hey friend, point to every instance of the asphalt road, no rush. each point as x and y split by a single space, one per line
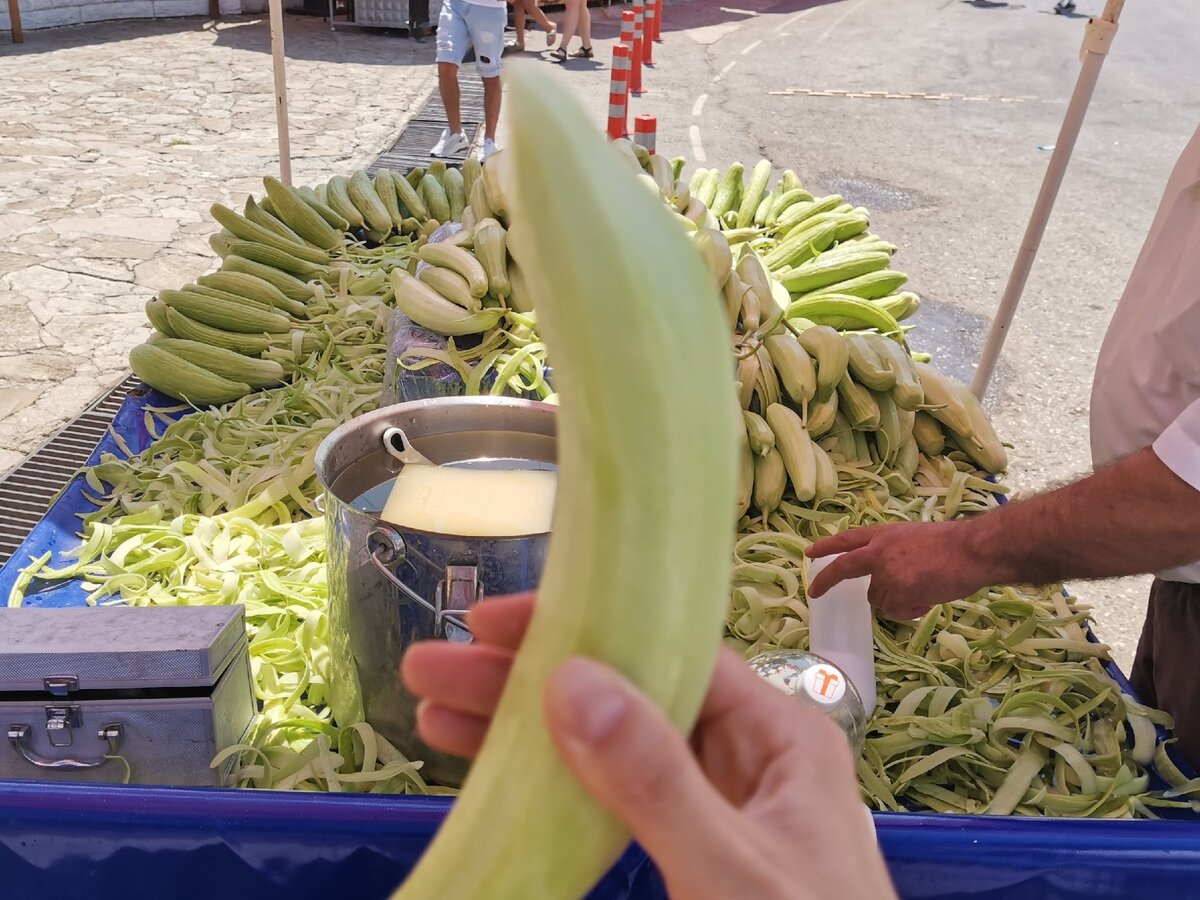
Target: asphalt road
950 173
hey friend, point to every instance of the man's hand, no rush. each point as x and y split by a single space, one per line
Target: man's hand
1134 516
762 803
913 567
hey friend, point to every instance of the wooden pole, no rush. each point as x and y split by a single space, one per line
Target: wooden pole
1097 38
14 18
281 104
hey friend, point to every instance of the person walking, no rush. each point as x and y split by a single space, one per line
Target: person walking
1138 513
526 8
577 17
462 24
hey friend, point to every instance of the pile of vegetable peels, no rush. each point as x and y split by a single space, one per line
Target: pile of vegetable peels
998 703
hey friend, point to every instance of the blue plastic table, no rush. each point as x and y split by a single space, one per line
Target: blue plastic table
136 843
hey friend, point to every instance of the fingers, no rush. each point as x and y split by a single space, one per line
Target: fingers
733 687
630 758
469 677
900 609
841 543
742 728
501 620
460 684
449 731
854 564
466 678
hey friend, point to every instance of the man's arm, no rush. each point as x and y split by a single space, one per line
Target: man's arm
1141 514
1131 517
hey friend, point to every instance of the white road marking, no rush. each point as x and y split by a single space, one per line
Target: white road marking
724 71
898 95
793 19
697 147
751 47
840 19
699 104
739 12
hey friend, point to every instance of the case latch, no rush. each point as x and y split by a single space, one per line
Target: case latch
60 722
60 685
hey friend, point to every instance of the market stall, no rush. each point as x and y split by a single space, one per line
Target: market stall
335 304
411 15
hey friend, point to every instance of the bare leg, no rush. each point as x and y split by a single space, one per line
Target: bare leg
538 16
519 22
491 106
448 86
570 23
585 25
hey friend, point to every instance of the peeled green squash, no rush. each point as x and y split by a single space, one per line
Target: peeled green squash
638 566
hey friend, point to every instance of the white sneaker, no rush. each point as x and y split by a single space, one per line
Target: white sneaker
450 144
489 147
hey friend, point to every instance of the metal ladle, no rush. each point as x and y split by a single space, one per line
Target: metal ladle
397 445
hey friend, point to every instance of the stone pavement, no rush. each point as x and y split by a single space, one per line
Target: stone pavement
114 141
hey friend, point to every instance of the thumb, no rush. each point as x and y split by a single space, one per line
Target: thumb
630 758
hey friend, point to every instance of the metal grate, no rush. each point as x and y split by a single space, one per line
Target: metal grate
26 492
412 147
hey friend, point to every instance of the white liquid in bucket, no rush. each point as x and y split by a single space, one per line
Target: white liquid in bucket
472 502
473 498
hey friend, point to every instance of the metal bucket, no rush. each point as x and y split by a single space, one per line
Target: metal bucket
388 586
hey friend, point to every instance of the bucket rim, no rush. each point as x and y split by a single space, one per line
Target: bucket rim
397 411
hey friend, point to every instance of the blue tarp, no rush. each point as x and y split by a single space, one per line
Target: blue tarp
141 843
58 531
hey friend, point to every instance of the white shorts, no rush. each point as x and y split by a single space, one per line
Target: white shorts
463 24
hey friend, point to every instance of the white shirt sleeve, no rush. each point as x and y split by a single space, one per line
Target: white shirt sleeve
1179 445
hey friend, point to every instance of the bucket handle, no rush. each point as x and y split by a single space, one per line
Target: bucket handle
456 594
457 591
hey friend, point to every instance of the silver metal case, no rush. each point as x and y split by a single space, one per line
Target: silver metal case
415 16
162 688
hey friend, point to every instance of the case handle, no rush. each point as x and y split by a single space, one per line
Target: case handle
18 737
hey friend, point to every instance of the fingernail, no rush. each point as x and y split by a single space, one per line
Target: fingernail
585 701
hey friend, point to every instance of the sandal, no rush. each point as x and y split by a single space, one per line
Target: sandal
582 53
558 55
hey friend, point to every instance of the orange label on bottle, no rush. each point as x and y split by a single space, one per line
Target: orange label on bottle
824 684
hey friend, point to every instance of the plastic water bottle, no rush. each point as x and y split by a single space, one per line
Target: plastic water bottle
819 683
839 630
